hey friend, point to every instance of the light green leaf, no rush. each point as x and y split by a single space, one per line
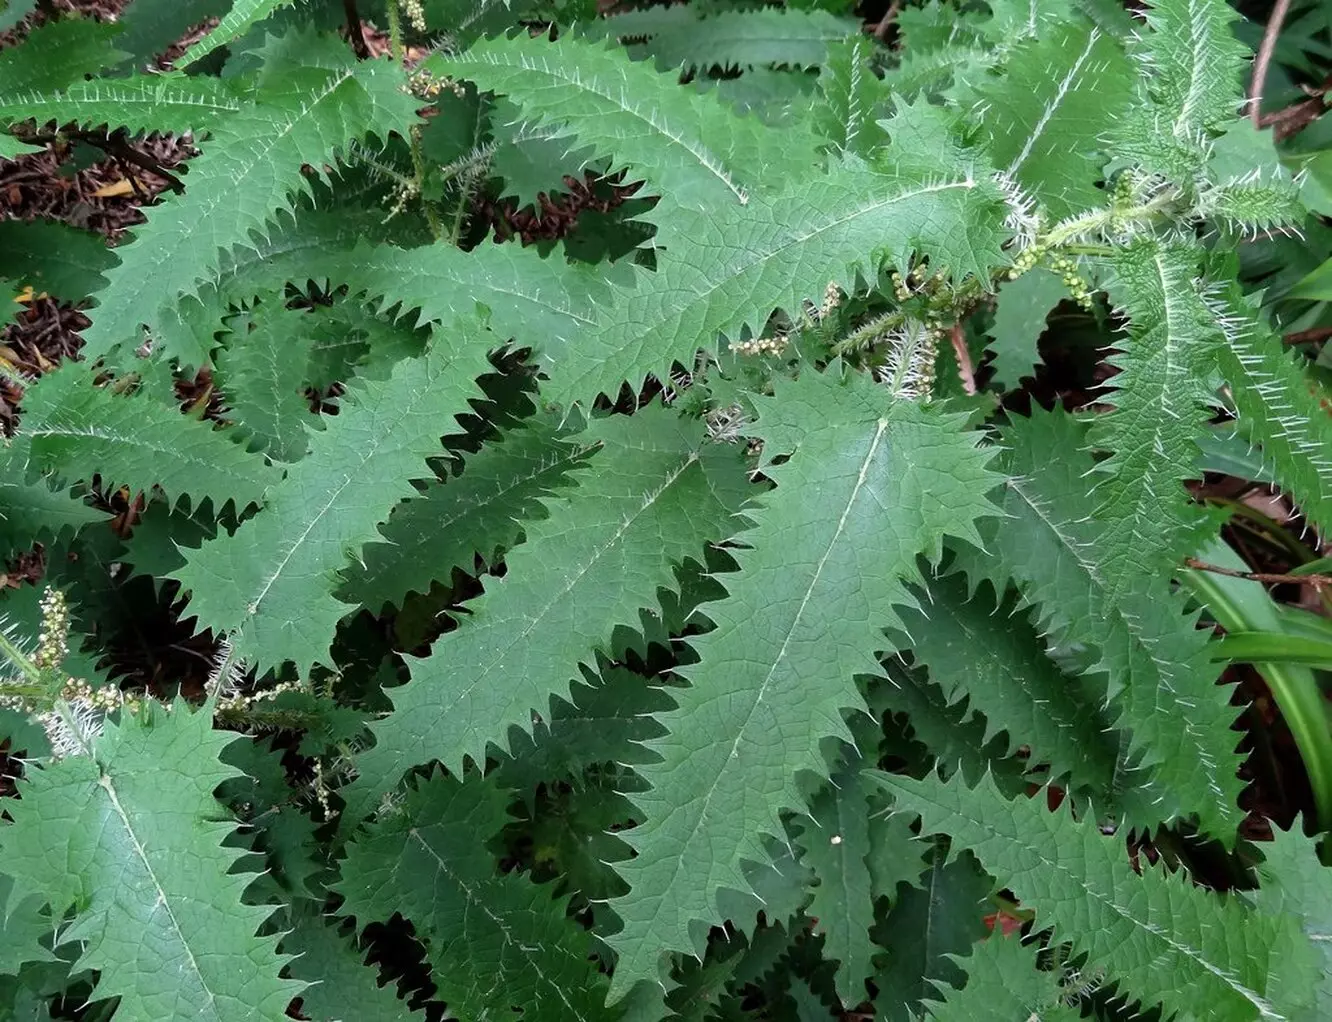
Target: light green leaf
250 171
139 103
236 22
76 430
1165 940
1019 320
494 941
651 498
1161 399
129 837
1058 95
272 582
871 485
1003 985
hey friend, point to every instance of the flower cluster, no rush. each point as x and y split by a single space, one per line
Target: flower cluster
53 640
241 703
415 14
762 346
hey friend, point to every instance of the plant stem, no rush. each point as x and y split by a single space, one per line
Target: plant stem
16 656
394 30
1264 60
1313 336
1274 578
865 334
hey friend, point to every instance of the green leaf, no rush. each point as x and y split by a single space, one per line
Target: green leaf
986 653
499 946
650 499
1003 984
151 26
1161 677
262 373
129 837
694 151
249 172
852 95
1254 634
243 15
1163 939
141 440
34 512
139 103
606 720
835 844
1274 648
1059 94
953 735
53 257
1296 883
342 985
680 36
871 485
271 583
1160 400
944 912
1020 316
23 928
1191 68
11 149
1280 407
477 512
15 11
58 53
775 253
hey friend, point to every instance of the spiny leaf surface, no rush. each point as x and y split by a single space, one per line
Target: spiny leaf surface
249 171
499 946
271 583
1161 676
130 838
473 513
652 497
871 484
1165 940
76 430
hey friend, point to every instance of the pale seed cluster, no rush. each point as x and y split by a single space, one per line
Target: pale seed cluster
414 13
105 698
240 703
53 640
832 299
428 86
762 346
1057 263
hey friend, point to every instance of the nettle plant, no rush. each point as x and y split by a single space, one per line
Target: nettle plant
657 620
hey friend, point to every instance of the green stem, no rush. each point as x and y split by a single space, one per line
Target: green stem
16 656
864 335
395 32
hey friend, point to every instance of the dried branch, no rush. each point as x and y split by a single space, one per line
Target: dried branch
1263 61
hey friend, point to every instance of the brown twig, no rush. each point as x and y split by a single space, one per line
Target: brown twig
354 30
965 372
114 145
1311 336
1317 581
1264 60
889 16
